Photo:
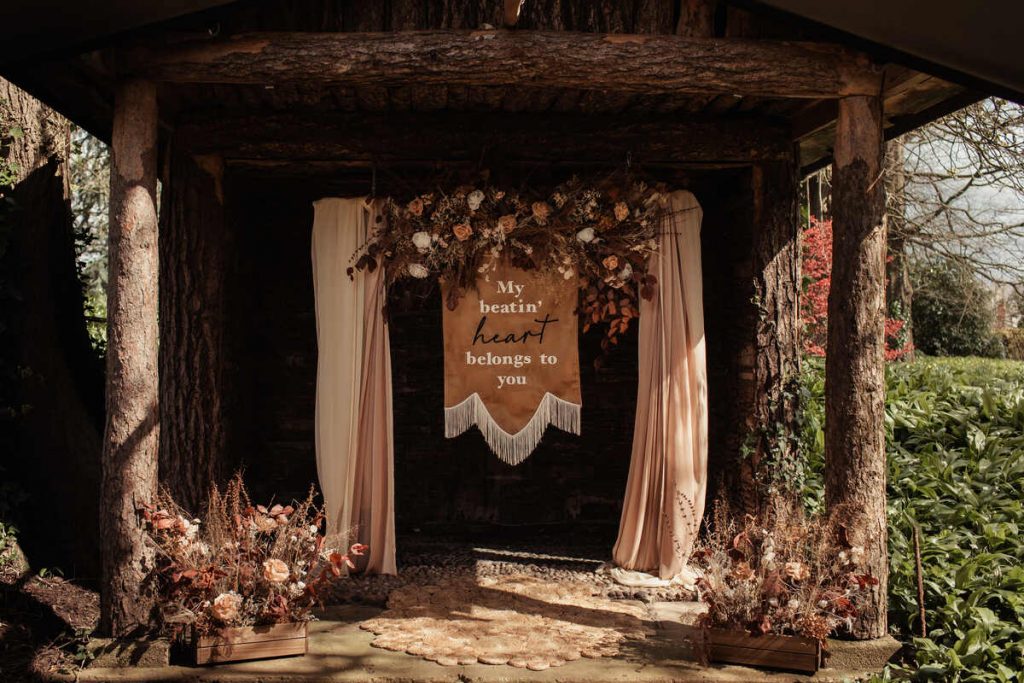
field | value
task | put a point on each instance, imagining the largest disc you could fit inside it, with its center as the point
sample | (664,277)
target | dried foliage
(245,564)
(598,234)
(784,573)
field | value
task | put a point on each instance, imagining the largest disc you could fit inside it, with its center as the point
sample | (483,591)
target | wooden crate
(792,653)
(258,642)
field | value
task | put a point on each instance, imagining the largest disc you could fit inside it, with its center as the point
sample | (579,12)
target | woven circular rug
(513,619)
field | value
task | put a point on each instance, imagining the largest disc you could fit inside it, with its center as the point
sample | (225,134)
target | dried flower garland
(599,234)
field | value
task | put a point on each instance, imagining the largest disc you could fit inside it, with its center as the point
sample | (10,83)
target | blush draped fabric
(664,500)
(354,444)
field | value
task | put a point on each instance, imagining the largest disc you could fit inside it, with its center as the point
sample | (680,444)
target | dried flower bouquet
(245,564)
(782,574)
(597,234)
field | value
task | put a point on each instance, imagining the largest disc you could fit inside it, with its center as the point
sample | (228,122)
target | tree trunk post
(776,189)
(129,468)
(898,289)
(855,466)
(759,467)
(193,253)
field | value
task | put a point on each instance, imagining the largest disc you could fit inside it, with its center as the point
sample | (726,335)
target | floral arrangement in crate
(783,573)
(244,564)
(599,234)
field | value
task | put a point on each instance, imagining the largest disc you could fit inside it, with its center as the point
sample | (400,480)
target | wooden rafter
(355,137)
(626,63)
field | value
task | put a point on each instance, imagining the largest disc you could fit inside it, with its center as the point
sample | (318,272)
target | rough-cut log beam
(625,63)
(384,138)
(129,467)
(855,472)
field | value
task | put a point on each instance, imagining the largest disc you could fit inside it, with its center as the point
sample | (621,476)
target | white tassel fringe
(512,448)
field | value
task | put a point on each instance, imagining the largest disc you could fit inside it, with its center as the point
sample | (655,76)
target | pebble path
(427,562)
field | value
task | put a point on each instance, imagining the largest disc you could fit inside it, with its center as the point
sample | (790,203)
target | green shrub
(952,312)
(955,435)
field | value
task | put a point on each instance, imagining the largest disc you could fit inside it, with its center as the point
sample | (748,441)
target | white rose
(226,607)
(793,604)
(857,554)
(585,235)
(774,602)
(422,241)
(626,273)
(275,571)
(475,198)
(417,270)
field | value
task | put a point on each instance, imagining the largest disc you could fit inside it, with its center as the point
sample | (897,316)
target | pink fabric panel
(664,500)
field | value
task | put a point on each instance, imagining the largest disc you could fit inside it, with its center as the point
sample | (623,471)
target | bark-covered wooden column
(129,468)
(193,250)
(855,468)
(770,360)
(776,357)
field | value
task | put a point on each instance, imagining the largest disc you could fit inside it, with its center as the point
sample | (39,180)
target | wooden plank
(792,661)
(792,653)
(260,642)
(233,652)
(555,59)
(253,634)
(768,642)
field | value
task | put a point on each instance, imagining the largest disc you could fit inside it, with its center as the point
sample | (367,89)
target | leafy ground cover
(956,470)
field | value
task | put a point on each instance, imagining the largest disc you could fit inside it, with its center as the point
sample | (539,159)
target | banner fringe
(512,448)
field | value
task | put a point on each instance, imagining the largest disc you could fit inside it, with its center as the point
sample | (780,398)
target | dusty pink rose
(275,571)
(541,210)
(462,231)
(226,606)
(507,223)
(611,262)
(416,207)
(621,211)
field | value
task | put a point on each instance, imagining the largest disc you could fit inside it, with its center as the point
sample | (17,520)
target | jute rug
(513,619)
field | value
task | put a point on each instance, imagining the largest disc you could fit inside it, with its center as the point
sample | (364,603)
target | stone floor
(340,651)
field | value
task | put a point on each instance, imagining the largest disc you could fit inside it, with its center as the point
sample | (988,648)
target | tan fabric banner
(511,360)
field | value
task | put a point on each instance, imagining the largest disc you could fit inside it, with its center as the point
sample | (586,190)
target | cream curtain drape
(664,499)
(354,446)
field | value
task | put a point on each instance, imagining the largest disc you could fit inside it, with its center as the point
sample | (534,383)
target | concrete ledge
(340,651)
(862,656)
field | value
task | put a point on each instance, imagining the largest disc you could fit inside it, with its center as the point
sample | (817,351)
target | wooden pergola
(690,87)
